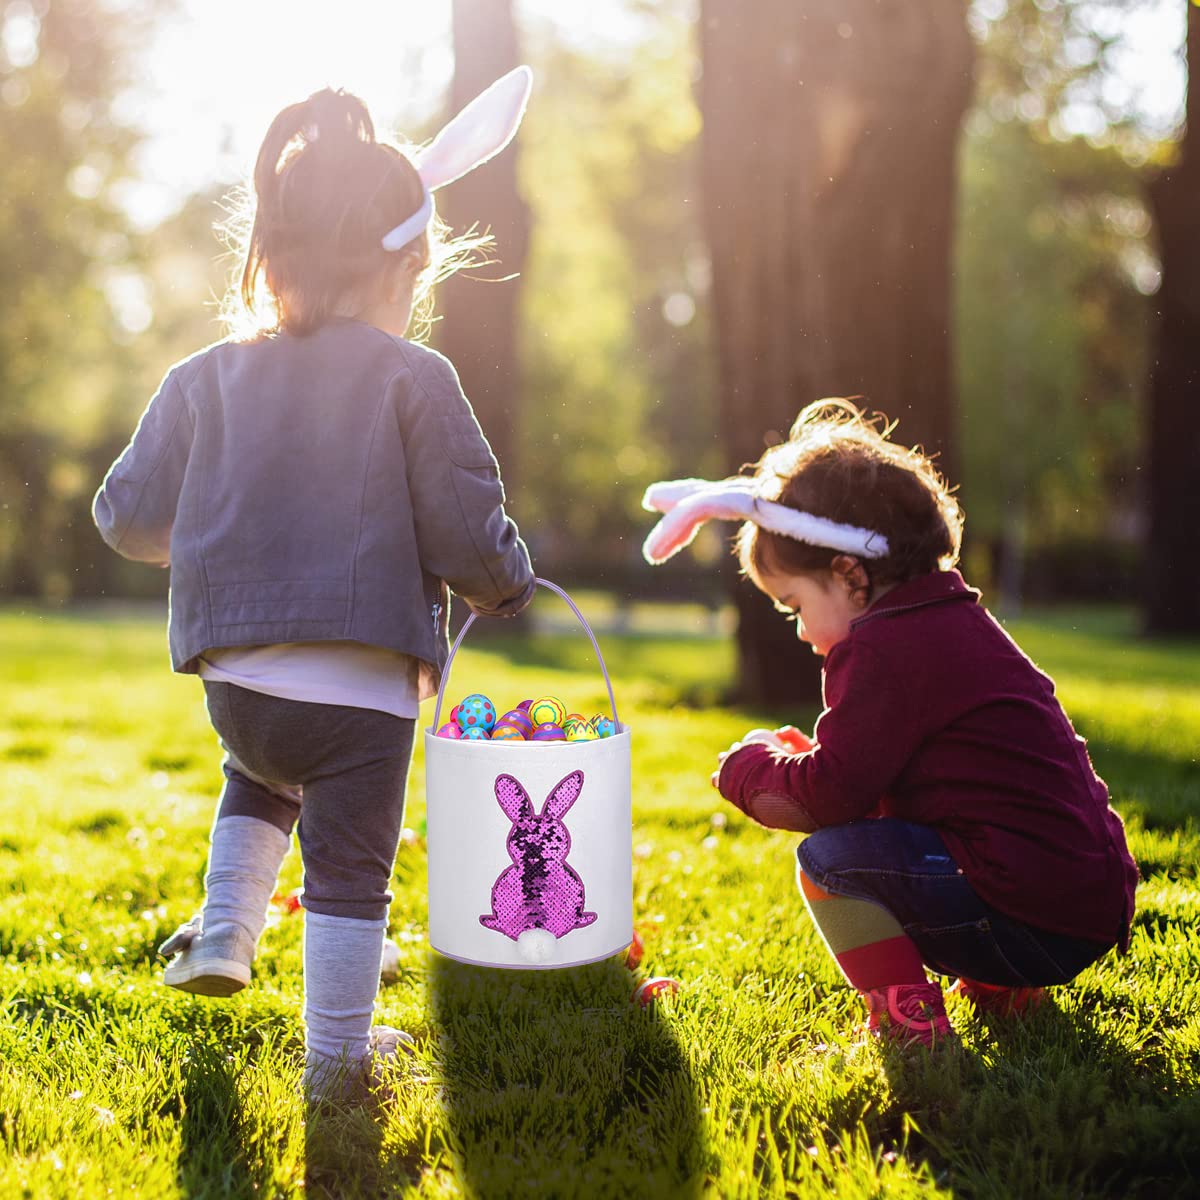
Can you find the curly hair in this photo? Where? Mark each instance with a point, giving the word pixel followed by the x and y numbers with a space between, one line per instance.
pixel 841 464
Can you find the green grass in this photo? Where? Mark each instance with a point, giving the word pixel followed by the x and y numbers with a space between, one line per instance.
pixel 748 1083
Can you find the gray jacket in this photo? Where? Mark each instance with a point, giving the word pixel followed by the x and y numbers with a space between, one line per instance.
pixel 314 489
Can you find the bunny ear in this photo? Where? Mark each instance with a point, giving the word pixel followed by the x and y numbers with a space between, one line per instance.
pixel 687 504
pixel 563 795
pixel 513 799
pixel 479 132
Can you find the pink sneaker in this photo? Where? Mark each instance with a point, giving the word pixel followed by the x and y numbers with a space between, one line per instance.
pixel 1000 1001
pixel 909 1012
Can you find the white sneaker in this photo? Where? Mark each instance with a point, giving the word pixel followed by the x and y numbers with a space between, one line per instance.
pixel 208 962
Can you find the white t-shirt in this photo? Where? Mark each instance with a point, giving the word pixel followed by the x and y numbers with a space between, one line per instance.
pixel 348 673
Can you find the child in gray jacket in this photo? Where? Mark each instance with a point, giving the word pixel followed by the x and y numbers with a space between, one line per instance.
pixel 315 487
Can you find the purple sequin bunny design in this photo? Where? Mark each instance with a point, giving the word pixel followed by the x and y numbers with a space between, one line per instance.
pixel 539 891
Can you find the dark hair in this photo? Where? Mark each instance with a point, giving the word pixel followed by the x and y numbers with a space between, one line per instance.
pixel 839 464
pixel 310 232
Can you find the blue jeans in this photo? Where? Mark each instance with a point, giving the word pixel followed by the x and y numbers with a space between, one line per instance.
pixel 907 869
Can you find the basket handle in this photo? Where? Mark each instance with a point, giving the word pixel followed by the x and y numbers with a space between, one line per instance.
pixel 437 712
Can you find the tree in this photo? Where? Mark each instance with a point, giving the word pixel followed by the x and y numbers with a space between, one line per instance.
pixel 1052 332
pixel 479 333
pixel 1172 603
pixel 829 161
pixel 63 242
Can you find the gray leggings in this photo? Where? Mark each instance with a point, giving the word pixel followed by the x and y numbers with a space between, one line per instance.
pixel 339 771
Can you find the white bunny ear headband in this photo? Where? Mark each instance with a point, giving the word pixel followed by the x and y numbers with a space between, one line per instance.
pixel 688 503
pixel 478 133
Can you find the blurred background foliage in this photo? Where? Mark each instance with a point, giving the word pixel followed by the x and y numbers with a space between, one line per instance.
pixel 1056 273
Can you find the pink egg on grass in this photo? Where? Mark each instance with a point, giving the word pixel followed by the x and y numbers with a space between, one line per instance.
pixel 646 993
pixel 449 730
pixel 548 732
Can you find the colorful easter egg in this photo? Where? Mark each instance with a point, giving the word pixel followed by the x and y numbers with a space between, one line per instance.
pixel 449 730
pixel 475 734
pixel 603 726
pixel 636 951
pixel 502 731
pixel 579 732
pixel 525 705
pixel 548 732
pixel 547 710
pixel 518 717
pixel 476 712
pixel 649 991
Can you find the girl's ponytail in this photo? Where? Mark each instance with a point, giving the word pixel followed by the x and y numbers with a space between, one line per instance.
pixel 325 193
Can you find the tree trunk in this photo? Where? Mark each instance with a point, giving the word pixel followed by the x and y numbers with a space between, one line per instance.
pixel 1172 597
pixel 830 143
pixel 479 332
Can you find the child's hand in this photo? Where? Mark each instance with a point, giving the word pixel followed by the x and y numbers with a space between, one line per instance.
pixel 768 737
pixel 716 775
pixel 796 741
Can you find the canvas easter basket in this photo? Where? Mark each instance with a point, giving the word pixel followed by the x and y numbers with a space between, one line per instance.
pixel 530 843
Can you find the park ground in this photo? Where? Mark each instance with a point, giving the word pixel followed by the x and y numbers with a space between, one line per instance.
pixel 750 1081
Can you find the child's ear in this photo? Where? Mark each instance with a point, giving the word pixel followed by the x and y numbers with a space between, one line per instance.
pixel 849 571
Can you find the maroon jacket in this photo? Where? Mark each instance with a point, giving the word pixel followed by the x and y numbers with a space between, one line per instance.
pixel 934 715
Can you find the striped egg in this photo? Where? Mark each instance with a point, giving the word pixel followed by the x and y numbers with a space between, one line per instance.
pixel 548 732
pixel 547 710
pixel 502 731
pixel 519 718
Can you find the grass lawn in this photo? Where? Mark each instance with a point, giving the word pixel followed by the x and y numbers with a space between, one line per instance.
pixel 749 1082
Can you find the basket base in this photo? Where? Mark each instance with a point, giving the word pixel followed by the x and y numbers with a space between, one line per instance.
pixel 554 966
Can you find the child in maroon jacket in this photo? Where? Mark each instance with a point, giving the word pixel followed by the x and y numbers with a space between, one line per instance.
pixel 955 821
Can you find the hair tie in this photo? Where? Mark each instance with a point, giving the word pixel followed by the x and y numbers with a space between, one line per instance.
pixel 689 503
pixel 478 133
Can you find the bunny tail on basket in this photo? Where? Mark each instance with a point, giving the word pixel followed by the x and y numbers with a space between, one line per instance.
pixel 536 945
pixel 686 504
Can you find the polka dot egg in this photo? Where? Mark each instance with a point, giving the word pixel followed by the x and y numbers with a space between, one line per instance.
pixel 450 730
pixel 603 726
pixel 476 712
pixel 547 710
pixel 475 734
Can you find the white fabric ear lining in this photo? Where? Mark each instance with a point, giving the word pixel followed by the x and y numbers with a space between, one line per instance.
pixel 478 133
pixel 688 503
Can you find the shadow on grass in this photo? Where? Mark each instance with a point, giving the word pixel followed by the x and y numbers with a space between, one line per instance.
pixel 215 1156
pixel 1049 1105
pixel 555 1084
pixel 344 1156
